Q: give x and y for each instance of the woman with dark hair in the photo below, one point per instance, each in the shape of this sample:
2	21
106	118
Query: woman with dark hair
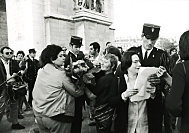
53	94
177	101
132	116
20	95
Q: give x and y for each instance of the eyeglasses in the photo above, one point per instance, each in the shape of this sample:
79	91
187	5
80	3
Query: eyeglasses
8	53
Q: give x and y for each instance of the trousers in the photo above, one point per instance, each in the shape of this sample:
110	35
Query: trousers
48	125
11	108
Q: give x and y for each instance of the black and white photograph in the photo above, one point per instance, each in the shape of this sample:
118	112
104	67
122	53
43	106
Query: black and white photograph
94	66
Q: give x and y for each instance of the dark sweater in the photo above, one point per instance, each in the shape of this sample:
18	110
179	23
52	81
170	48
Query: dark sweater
106	88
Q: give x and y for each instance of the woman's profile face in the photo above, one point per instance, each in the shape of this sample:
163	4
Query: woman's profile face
106	64
134	68
60	59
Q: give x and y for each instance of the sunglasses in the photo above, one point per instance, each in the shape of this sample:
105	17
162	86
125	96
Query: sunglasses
8	53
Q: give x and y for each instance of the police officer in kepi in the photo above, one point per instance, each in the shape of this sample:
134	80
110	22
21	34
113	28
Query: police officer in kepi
73	55
151	56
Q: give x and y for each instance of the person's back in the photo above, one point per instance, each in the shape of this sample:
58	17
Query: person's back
177	101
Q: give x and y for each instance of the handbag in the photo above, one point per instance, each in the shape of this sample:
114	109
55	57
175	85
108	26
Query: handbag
19	88
112	129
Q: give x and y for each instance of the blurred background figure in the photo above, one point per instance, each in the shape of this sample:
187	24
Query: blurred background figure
121	50
94	50
32	66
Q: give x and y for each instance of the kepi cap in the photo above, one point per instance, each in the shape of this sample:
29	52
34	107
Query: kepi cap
32	50
75	40
151	31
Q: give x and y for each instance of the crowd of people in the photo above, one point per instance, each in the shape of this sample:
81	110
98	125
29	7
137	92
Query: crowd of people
18	74
63	82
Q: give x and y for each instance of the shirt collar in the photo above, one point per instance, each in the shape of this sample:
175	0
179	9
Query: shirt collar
144	50
31	58
5	62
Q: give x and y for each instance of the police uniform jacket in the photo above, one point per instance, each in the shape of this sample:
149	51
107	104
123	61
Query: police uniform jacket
155	106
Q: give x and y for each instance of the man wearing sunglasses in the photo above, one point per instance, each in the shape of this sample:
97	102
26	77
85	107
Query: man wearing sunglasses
8	70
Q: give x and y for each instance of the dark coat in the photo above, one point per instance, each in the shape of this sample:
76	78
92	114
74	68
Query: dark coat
177	101
32	69
70	58
14	68
121	122
2	75
155	106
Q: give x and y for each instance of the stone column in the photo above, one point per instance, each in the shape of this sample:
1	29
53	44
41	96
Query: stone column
25	25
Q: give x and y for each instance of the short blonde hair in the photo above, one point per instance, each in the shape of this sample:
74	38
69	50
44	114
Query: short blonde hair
113	60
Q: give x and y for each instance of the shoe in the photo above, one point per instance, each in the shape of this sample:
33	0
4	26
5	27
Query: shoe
20	116
17	126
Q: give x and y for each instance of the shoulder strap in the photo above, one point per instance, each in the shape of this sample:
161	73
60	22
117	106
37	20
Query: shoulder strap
118	81
184	68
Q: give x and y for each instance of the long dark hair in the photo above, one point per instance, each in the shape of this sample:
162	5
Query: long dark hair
126	60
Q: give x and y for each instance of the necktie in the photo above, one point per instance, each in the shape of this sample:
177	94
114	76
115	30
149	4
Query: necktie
146	55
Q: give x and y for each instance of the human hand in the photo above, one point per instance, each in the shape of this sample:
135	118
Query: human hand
161	72
129	92
11	80
150	89
153	79
79	92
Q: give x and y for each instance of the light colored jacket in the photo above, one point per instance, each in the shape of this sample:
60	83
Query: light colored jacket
50	97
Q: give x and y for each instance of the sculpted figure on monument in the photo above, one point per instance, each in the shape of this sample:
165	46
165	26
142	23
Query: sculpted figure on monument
96	5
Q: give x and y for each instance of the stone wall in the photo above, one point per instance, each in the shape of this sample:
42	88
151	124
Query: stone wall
36	23
3	24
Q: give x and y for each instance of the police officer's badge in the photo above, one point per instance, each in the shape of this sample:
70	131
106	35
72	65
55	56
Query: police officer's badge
153	29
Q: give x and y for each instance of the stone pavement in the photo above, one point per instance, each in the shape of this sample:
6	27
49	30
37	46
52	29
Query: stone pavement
28	122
